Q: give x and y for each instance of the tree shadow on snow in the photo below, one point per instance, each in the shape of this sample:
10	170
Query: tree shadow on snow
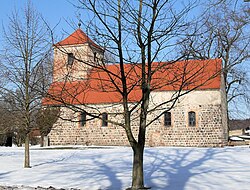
5	174
100	173
168	168
52	161
176	167
111	175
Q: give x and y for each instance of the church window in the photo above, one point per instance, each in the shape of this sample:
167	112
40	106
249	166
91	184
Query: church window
83	118
70	59
167	118
104	119
94	56
191	118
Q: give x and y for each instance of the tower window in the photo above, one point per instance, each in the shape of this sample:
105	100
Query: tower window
95	58
167	119
191	118
104	119
83	118
70	59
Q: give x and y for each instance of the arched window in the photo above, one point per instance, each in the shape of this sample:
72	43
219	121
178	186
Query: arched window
70	59
167	118
104	119
83	118
191	118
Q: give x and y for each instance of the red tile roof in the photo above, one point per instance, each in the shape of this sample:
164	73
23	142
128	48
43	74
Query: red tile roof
99	88
77	37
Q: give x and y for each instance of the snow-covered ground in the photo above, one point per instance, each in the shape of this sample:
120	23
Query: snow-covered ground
110	168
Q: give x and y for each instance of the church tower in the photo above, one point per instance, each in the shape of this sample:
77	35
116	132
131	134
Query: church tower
74	57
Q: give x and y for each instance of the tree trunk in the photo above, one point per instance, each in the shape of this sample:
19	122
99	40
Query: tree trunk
42	141
138	177
19	141
27	152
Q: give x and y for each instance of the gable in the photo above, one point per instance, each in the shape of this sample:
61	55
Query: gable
76	38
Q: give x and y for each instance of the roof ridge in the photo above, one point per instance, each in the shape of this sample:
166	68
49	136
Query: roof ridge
77	37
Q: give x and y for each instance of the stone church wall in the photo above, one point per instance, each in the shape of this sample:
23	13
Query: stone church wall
208	132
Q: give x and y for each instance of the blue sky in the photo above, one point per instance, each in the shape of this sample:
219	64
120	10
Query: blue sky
54	11
59	13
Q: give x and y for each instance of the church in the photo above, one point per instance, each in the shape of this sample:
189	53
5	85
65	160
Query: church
90	105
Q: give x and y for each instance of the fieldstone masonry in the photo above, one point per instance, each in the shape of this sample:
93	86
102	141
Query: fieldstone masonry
207	133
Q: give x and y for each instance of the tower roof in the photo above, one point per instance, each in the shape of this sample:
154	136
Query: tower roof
78	37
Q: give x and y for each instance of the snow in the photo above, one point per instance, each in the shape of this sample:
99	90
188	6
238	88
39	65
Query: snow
236	139
245	136
110	168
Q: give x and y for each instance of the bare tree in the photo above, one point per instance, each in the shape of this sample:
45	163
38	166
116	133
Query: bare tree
44	119
11	120
25	55
6	119
223	32
141	36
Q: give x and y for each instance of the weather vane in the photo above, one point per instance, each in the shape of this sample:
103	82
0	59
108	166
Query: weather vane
79	20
